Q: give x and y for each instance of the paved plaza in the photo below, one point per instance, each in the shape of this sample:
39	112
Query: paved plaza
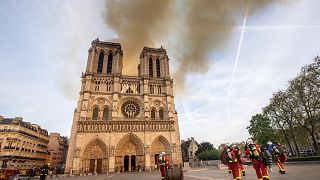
294	171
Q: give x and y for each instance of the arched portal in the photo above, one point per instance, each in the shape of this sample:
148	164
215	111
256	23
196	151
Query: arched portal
129	153
158	145
95	157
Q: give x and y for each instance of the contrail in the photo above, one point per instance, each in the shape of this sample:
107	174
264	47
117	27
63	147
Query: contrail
235	65
238	53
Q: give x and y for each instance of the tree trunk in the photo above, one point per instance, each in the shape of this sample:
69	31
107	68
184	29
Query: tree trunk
315	142
294	141
288	141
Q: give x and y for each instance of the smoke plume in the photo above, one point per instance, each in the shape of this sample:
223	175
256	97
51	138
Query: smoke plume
197	27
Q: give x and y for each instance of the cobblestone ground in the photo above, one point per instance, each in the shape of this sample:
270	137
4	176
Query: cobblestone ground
294	171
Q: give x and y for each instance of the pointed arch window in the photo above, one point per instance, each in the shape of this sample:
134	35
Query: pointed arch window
109	66
161	114
95	113
100	63
153	114
106	113
158	67
150	68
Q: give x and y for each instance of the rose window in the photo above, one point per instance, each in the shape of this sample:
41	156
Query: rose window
130	109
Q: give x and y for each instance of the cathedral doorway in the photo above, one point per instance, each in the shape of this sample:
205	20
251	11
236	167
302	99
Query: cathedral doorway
129	153
126	163
160	144
92	164
95	157
133	163
156	161
99	165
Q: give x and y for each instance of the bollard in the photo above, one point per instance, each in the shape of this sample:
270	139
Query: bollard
175	173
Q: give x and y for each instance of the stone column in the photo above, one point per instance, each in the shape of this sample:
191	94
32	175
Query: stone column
147	158
111	163
95	165
130	163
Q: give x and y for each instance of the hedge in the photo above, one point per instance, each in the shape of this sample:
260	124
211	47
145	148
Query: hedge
307	158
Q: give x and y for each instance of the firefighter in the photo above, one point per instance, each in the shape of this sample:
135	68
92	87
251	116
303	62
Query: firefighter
280	157
234	156
225	158
241	160
164	165
258	160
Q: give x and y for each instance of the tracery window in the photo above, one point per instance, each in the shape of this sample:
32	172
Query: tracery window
106	113
158	67
161	114
130	109
95	113
109	66
100	63
150	68
153	114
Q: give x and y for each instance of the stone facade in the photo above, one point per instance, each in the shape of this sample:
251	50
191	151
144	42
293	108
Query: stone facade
22	145
123	122
57	147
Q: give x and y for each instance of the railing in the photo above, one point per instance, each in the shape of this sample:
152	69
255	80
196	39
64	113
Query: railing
129	86
125	126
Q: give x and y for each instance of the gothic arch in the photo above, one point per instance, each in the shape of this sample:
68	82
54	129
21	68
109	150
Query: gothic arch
100	62
129	147
126	142
153	112
100	101
96	151
150	62
106	112
160	144
96	148
158	67
162	114
157	104
110	63
95	112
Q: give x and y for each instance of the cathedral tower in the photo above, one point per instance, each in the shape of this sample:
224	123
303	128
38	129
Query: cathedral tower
123	123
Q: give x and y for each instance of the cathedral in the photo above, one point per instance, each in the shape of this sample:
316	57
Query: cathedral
122	122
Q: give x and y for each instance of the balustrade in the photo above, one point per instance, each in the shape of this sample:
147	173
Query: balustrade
125	126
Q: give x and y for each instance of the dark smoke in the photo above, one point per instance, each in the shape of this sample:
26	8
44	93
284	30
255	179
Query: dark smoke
199	28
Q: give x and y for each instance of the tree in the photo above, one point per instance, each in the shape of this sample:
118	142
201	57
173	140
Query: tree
305	92
281	114
260	129
212	154
204	146
206	151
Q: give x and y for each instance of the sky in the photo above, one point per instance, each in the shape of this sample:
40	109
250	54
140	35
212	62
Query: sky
44	46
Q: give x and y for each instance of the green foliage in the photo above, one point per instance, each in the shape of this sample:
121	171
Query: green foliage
204	146
260	129
206	151
212	154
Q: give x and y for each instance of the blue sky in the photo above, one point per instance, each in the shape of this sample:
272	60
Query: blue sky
44	47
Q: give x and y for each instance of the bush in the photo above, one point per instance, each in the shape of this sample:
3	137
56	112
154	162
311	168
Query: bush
212	154
308	158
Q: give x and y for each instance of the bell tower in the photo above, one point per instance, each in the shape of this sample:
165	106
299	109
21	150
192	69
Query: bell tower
104	58
154	63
